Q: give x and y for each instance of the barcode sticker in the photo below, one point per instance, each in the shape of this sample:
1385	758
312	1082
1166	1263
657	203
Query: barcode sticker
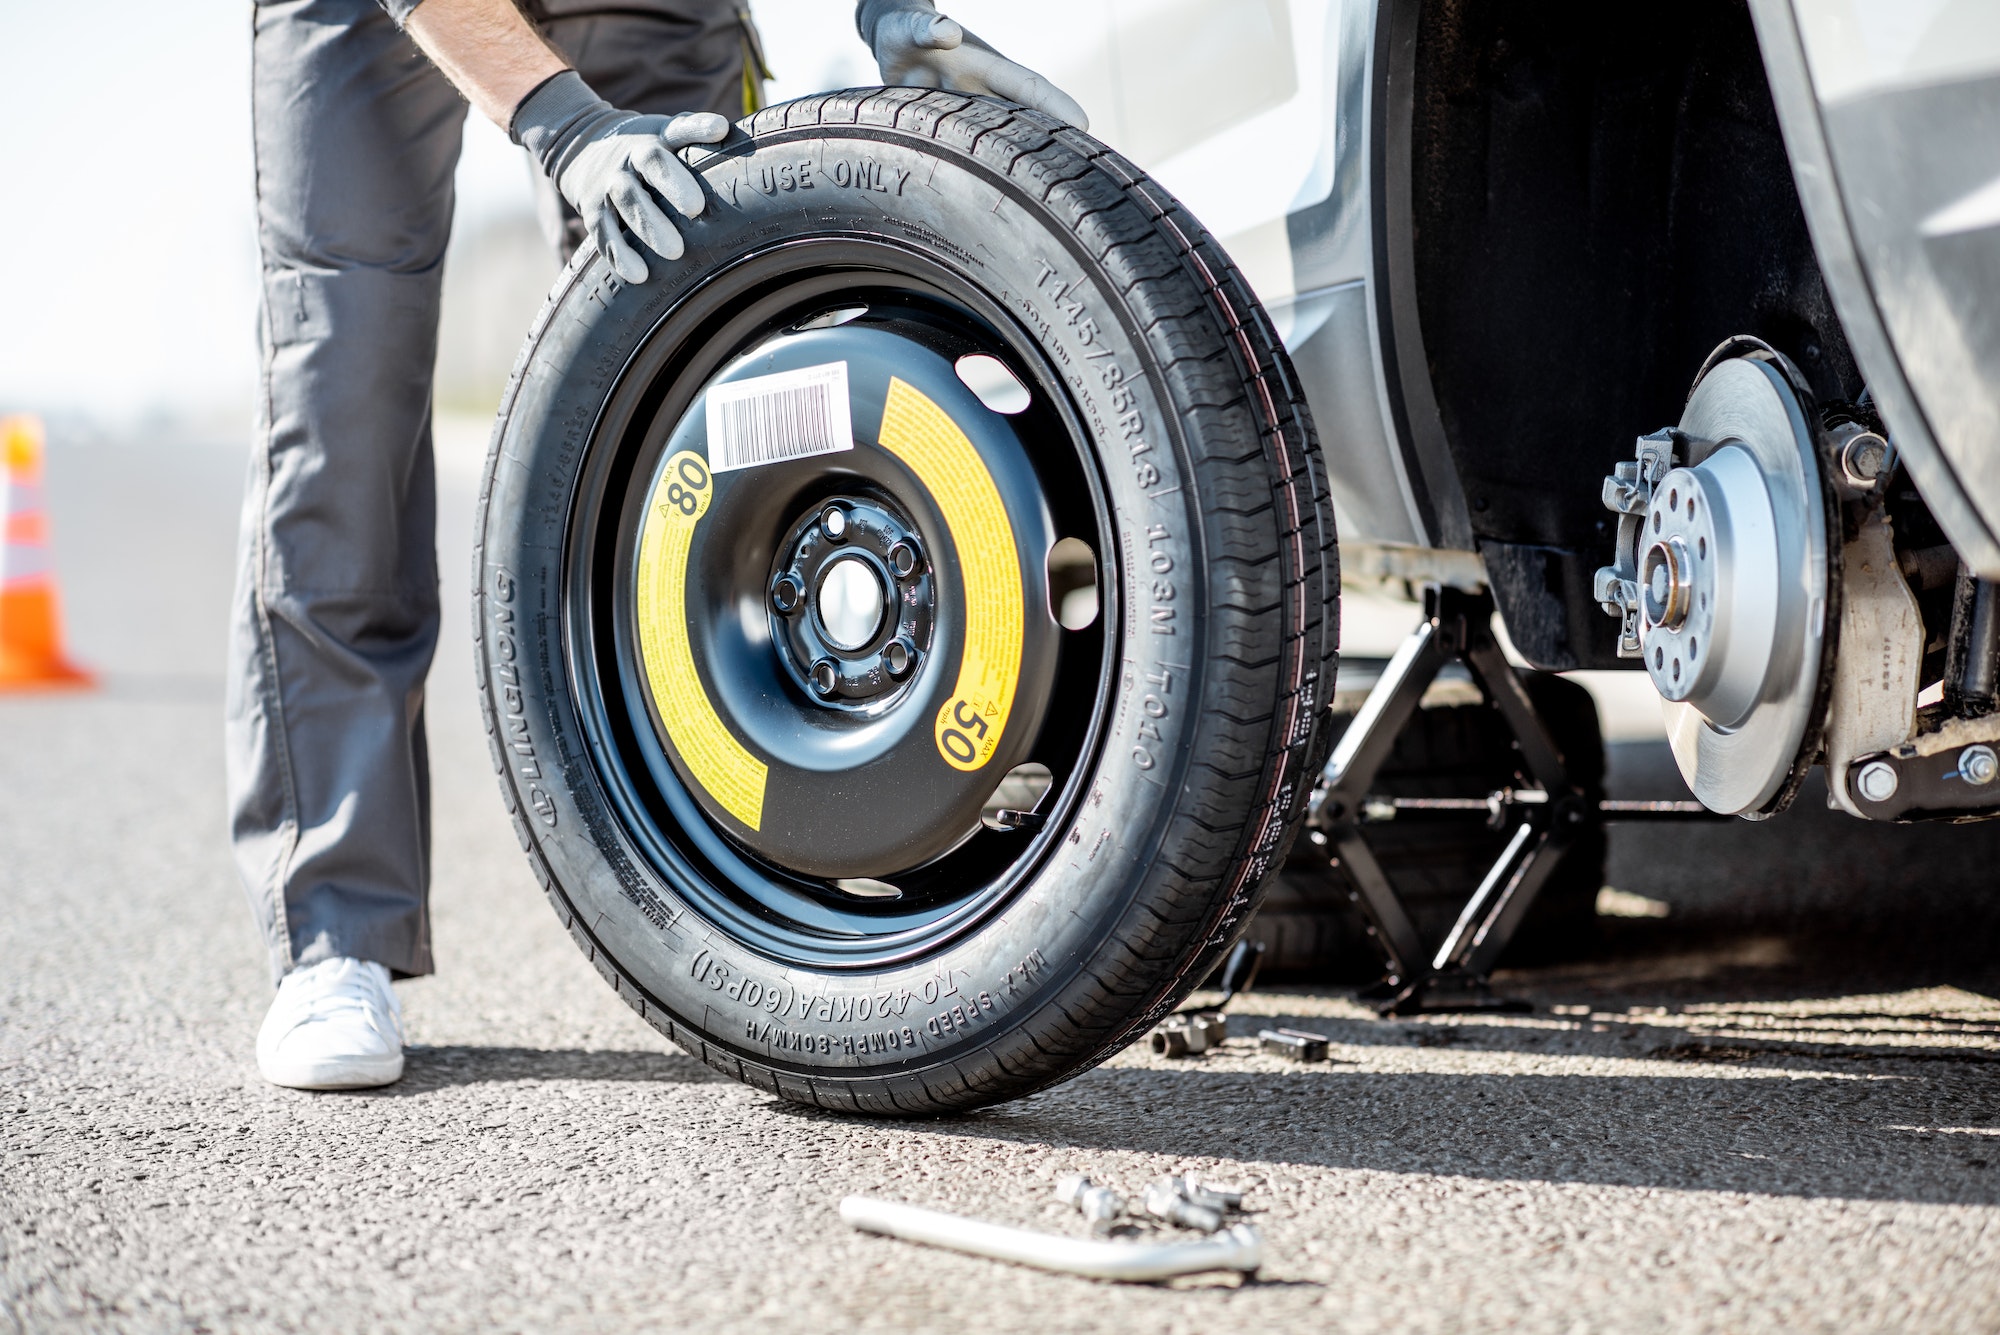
768	419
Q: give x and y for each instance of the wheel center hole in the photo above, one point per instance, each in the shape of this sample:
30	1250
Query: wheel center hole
1665	575
850	602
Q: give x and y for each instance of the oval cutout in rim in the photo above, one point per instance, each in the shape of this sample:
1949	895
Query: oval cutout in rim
996	385
864	887
1072	568
839	315
1020	789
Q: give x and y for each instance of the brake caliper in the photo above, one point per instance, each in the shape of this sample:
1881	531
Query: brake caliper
1627	493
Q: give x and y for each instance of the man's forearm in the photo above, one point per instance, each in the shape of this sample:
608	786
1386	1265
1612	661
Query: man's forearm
488	51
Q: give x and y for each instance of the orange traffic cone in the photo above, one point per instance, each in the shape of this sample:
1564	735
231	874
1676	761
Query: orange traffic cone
30	622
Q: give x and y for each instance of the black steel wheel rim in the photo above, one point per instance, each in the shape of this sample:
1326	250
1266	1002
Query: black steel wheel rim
770	311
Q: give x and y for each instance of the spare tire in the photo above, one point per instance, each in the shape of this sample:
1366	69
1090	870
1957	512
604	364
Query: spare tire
907	622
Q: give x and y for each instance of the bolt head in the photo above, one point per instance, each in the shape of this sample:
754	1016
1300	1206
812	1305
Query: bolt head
825	676
787	594
1863	456
1978	765
1877	781
896	657
833	522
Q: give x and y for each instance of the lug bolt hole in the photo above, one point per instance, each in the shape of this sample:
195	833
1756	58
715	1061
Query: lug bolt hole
1659	658
1677	669
825	676
786	594
896	657
1701	548
903	559
1694	648
1674	499
834	522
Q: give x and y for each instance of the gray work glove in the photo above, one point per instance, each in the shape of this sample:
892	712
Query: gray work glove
916	46
602	160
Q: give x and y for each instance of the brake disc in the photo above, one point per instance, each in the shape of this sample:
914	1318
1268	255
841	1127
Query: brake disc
1724	577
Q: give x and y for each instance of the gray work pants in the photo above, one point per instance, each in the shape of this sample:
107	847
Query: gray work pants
336	609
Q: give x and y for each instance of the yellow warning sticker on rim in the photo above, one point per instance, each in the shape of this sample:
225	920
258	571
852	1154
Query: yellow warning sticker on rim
719	763
917	431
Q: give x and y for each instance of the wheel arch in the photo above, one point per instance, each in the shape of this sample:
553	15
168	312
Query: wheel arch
1595	197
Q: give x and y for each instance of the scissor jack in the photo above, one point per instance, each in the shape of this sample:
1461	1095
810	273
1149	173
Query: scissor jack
1545	820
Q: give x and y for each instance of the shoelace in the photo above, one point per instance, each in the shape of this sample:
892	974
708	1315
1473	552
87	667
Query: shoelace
350	992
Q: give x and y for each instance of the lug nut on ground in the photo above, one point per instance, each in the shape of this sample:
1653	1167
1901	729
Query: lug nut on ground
1215	1198
1100	1205
1184	1035
1296	1045
1165	1200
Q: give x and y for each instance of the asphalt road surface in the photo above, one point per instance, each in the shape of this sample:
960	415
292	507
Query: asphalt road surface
1774	1109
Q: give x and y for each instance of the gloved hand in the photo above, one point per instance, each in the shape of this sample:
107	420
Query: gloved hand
916	46
602	160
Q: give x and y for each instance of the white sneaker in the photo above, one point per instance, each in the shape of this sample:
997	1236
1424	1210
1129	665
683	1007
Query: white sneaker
333	1025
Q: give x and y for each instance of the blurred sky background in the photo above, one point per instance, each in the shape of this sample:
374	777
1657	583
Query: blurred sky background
128	258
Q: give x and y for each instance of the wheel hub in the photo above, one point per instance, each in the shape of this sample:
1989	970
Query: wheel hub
1710	605
852	601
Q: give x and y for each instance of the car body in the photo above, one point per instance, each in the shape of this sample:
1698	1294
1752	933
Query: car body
1499	238
1503	239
